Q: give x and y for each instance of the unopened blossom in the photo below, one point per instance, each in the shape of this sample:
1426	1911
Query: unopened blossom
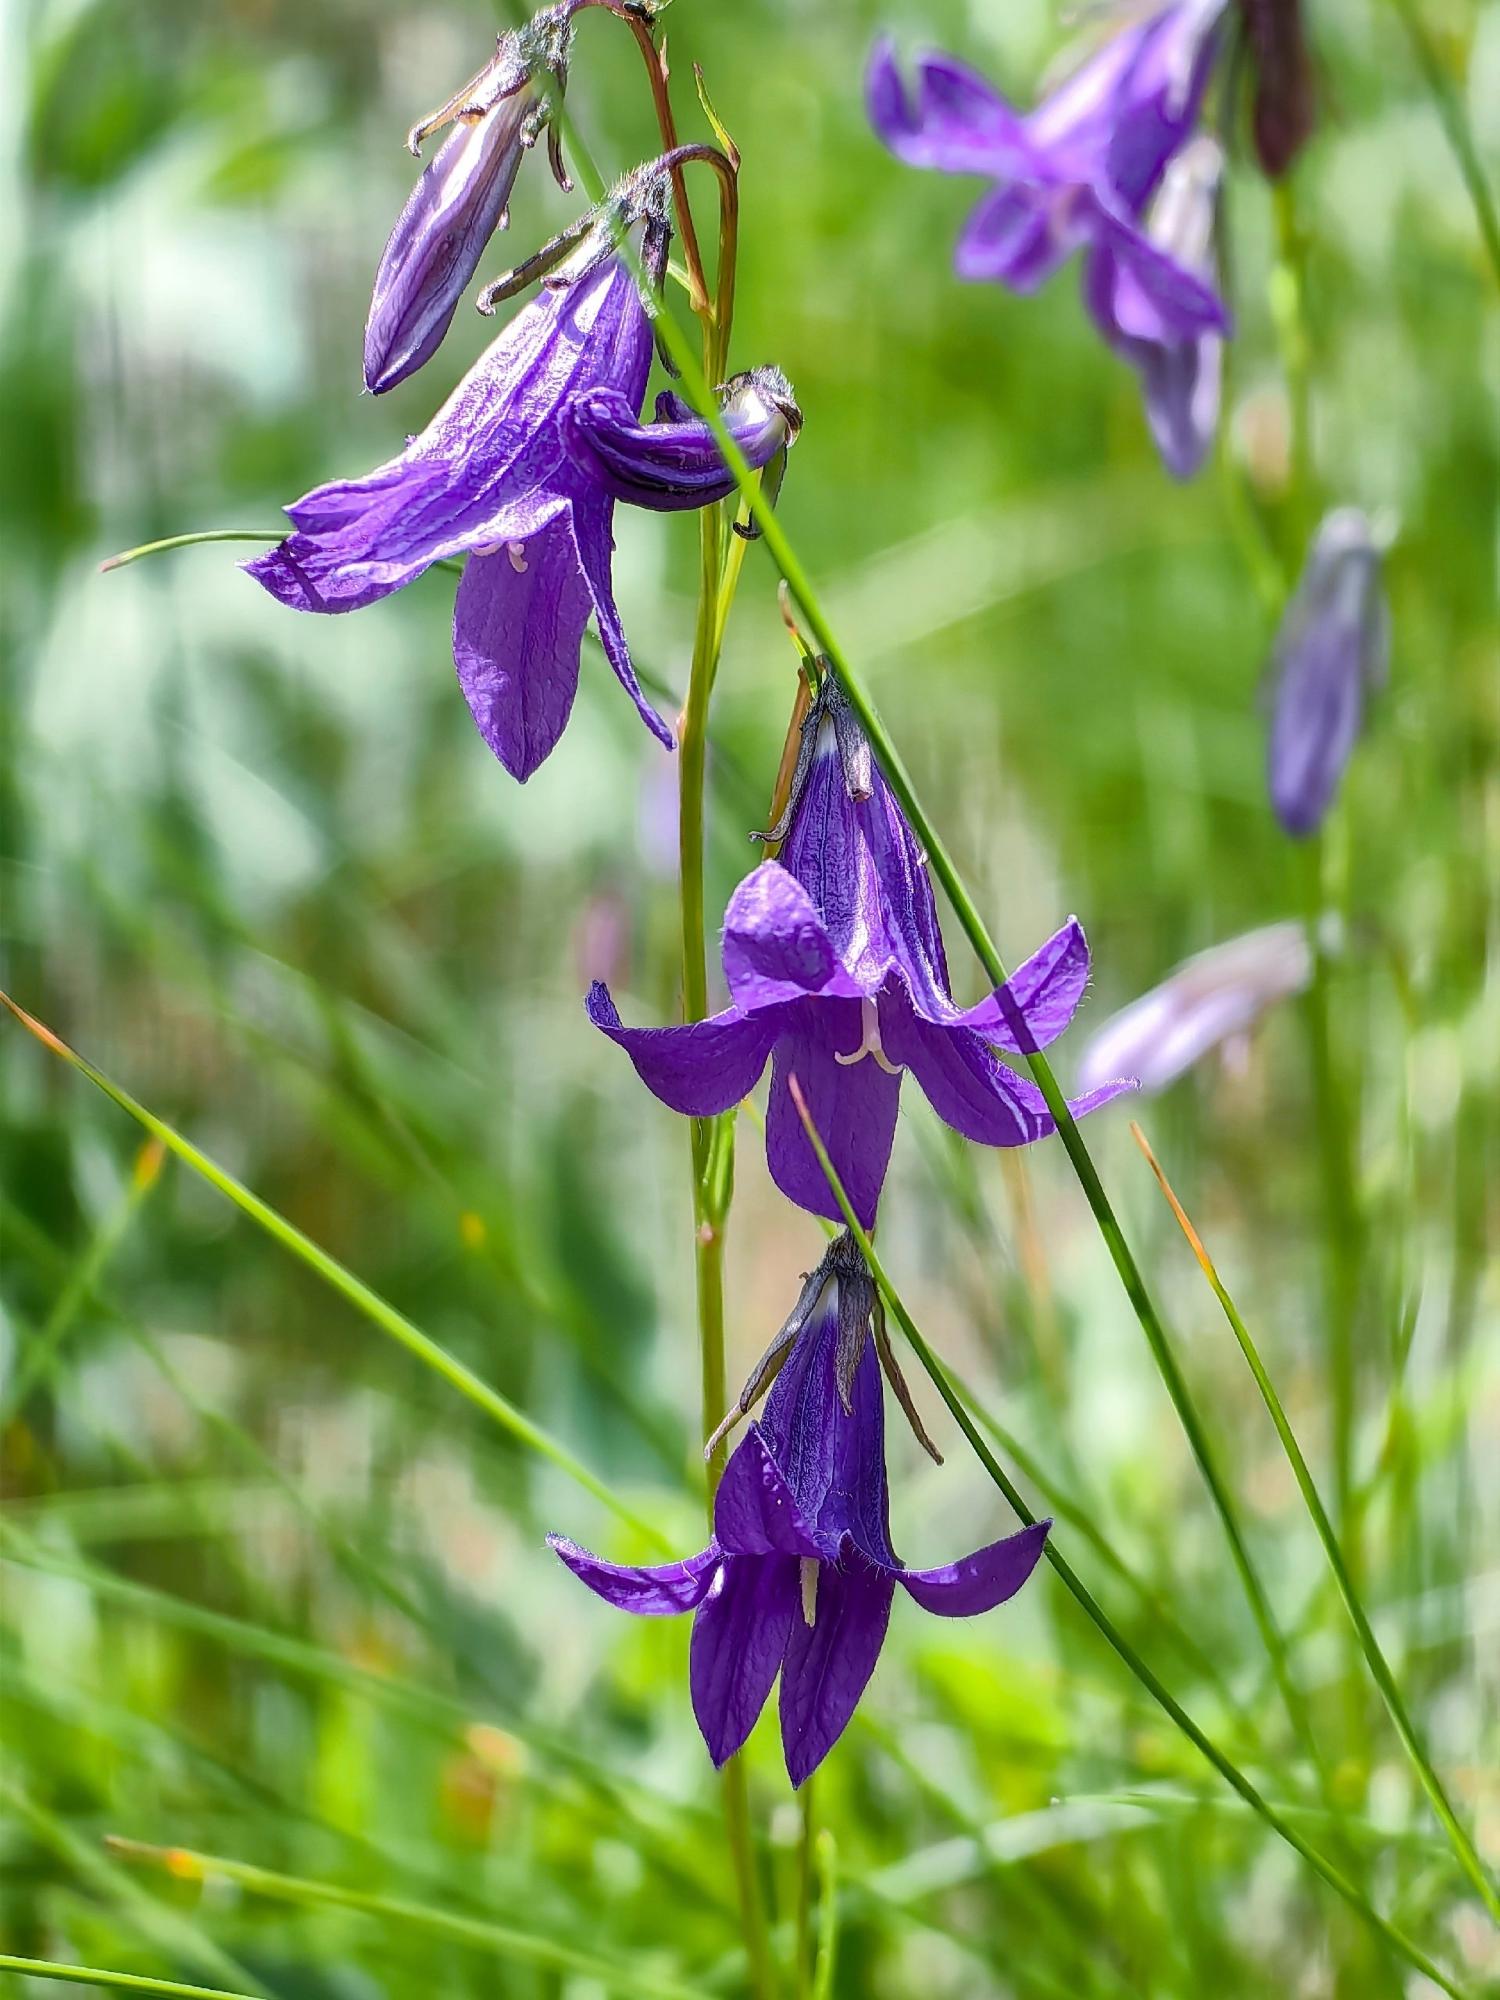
1078	171
1331	652
1208	1002
1181	376
460	199
506	474
799	1576
1285	99
675	462
836	975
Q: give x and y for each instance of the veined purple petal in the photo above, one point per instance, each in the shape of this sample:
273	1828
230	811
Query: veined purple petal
953	121
658	1592
1044	992
675	462
438	239
739	1637
518	620
755	1510
776	945
700	1068
978	1582
969	1087
1331	650
590	518
853	1105
828	1663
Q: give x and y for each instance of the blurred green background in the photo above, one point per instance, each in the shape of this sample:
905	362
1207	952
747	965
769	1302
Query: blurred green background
268	1587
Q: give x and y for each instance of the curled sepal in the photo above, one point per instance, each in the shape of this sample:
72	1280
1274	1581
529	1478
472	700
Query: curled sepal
769	1365
676	462
830	707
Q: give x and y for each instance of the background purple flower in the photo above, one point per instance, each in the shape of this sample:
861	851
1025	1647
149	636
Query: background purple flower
836	972
1079	170
799	1576
1332	649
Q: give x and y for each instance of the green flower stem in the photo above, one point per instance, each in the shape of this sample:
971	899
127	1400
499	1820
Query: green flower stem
113	1982
1227	1770
1455	124
354	1290
1380	1672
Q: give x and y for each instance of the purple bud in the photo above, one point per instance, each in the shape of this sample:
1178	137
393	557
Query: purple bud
1208	1001
1332	649
1285	108
676	462
459	202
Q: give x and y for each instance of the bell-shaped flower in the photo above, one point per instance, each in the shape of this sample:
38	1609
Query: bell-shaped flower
505	475
836	974
1210	1001
1076	172
1181	376
460	199
800	1574
1331	651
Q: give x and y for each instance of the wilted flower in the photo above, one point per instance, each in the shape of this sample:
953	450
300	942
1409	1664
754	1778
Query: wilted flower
510	473
833	954
1181	376
1332	649
459	202
1075	173
800	1574
1209	1000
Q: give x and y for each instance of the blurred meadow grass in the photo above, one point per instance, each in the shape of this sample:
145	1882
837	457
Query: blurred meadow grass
271	1589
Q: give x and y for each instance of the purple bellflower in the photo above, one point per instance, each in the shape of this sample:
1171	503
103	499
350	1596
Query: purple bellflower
1210	1001
519	470
1075	173
836	972
461	198
1181	376
1332	650
800	1574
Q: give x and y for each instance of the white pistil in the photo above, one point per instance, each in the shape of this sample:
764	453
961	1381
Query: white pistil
516	551
810	1568
869	1041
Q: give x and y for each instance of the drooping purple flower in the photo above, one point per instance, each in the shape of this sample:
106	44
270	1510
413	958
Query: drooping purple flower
1211	1000
832	955
800	1574
1332	650
509	473
460	200
1180	376
1076	172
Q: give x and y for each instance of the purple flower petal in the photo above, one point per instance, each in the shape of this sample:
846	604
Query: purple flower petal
1044	992
518	622
828	1664
756	1511
978	1582
1018	235
651	1593
594	542
852	1105
776	945
1155	297
700	1068
676	462
954	122
739	1637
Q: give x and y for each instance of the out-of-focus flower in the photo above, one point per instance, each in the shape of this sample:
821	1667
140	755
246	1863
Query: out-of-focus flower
499	475
1078	171
1180	377
1285	105
1208	1001
1332	650
460	200
833	954
799	1576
